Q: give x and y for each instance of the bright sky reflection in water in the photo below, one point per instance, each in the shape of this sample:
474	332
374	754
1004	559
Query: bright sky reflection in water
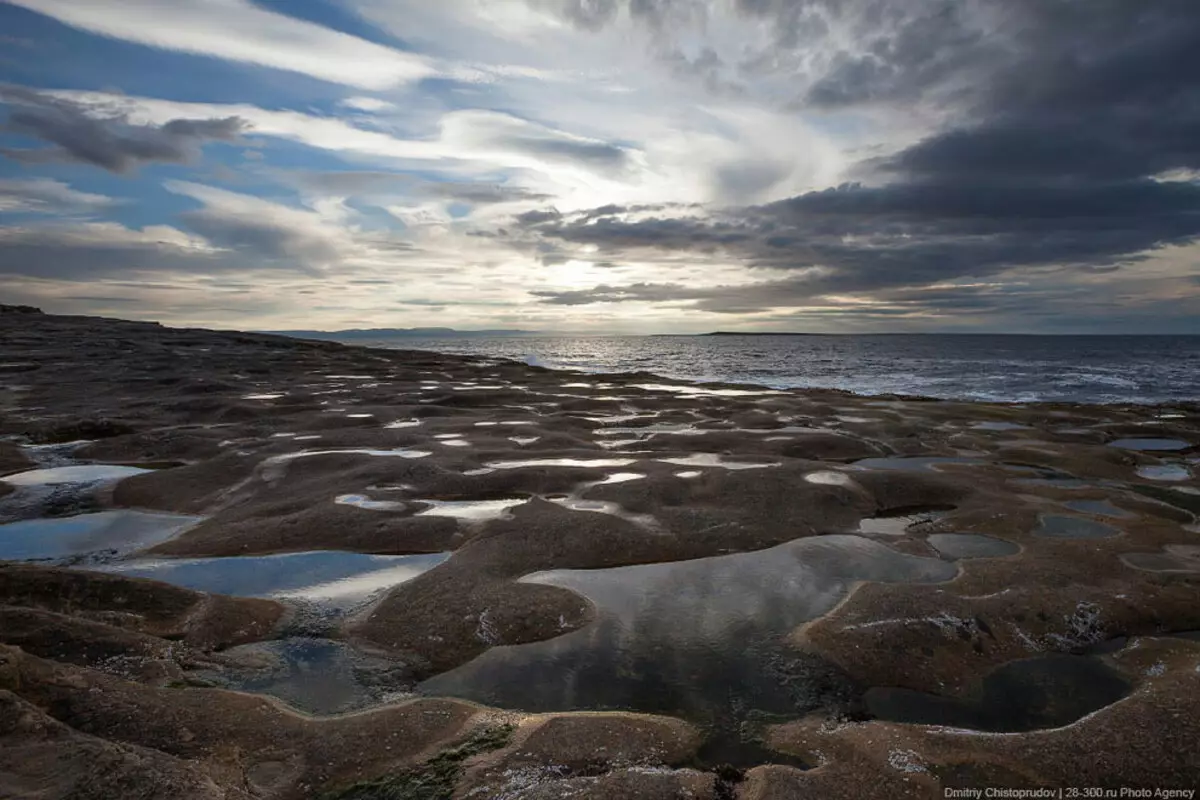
701	638
333	578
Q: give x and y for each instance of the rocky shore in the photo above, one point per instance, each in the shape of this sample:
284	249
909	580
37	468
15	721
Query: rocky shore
246	566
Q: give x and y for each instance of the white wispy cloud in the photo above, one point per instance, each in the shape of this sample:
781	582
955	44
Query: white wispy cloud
718	154
238	30
370	105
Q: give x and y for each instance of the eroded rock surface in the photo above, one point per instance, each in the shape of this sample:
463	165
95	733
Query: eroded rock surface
802	593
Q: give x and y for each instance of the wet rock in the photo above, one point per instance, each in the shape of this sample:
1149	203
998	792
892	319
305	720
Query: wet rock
725	472
830	447
13	459
150	607
1127	744
1029	694
225	734
451	614
42	757
75	431
596	755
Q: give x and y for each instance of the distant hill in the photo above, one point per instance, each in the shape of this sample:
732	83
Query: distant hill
759	333
354	334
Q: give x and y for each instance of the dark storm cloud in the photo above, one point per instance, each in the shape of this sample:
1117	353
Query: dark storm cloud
110	142
901	48
1060	115
903	51
913	234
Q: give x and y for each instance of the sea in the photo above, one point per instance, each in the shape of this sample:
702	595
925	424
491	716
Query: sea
997	368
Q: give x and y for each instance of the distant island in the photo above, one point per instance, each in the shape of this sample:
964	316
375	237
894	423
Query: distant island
391	333
759	333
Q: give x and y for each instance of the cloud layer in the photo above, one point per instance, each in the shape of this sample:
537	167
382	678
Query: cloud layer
1054	156
643	165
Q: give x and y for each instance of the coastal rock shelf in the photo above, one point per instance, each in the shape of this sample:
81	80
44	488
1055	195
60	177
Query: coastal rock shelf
215	544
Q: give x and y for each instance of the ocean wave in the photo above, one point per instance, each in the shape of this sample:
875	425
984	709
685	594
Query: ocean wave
1059	369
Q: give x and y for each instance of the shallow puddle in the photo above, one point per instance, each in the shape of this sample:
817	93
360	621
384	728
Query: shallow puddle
701	639
553	462
1164	472
275	467
912	462
715	460
1173	558
1060	526
649	431
617	444
98	536
1031	694
576	503
998	426
470	510
700	391
367	504
900	524
1150	444
1101	508
1055	483
335	579
315	675
829	478
620	477
628	415
82	473
970	545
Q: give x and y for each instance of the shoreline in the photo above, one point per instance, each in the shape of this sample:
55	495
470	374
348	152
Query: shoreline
597	369
1049	405
976	544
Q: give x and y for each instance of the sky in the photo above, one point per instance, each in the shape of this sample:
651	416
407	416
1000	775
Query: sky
605	166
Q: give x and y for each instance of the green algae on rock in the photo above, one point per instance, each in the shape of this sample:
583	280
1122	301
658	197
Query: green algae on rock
434	779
